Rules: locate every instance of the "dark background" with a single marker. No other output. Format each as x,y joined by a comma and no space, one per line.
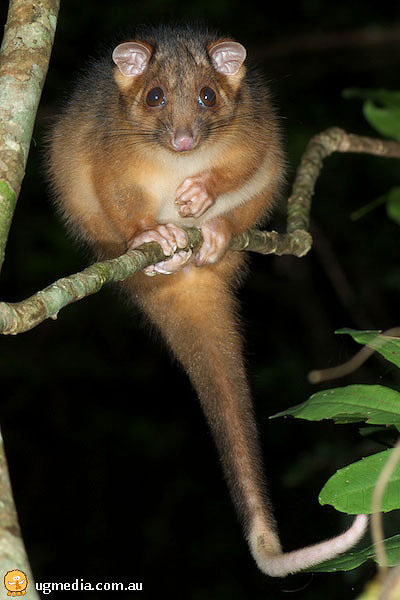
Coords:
114,471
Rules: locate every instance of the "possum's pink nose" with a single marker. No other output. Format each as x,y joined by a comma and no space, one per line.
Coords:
182,141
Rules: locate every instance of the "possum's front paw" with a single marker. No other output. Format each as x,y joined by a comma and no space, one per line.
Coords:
170,237
195,196
217,235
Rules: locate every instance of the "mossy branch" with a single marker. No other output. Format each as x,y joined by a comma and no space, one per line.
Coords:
22,316
24,59
319,147
12,550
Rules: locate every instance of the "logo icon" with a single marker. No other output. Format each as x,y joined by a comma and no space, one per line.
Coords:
15,582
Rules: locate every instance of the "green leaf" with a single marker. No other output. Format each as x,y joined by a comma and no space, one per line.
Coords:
351,560
386,120
374,404
393,204
387,346
381,108
350,489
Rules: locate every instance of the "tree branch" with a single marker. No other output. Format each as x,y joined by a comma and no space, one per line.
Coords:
22,316
24,58
12,550
318,148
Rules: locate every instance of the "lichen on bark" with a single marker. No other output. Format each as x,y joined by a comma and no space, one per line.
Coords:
24,58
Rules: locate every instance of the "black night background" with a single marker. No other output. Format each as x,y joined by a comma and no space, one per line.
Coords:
114,470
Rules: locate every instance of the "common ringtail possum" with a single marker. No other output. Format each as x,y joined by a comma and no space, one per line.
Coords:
171,130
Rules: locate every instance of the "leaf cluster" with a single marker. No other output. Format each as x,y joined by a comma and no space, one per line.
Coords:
350,489
381,108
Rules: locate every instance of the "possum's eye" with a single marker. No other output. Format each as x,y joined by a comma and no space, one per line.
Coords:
155,97
207,97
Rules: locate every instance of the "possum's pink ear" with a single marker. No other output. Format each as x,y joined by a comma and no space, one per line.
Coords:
227,57
131,58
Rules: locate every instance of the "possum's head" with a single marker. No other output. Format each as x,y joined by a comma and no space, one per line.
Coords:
179,87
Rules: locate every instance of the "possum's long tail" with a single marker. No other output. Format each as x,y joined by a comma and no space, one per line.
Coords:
196,315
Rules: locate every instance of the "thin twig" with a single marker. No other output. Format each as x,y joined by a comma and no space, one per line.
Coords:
351,365
376,507
390,587
325,253
319,42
